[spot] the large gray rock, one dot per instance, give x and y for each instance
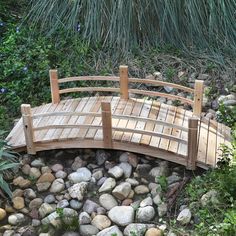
(116, 172)
(81, 175)
(107, 201)
(57, 186)
(127, 169)
(184, 216)
(113, 230)
(88, 230)
(135, 229)
(108, 185)
(78, 190)
(122, 190)
(145, 214)
(122, 215)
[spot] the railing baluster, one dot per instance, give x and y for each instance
(124, 82)
(54, 86)
(107, 124)
(192, 143)
(28, 128)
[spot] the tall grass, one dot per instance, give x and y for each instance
(208, 25)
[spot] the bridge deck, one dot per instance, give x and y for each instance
(133, 129)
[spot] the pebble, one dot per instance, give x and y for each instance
(162, 209)
(76, 205)
(62, 204)
(57, 167)
(81, 175)
(122, 190)
(49, 199)
(61, 174)
(34, 172)
(127, 169)
(45, 209)
(133, 182)
(2, 214)
(18, 203)
(16, 219)
(88, 230)
(141, 189)
(113, 230)
(101, 222)
(57, 186)
(84, 218)
(108, 185)
(146, 202)
(90, 206)
(145, 214)
(97, 175)
(136, 229)
(78, 190)
(37, 163)
(101, 157)
(184, 216)
(46, 177)
(43, 186)
(21, 182)
(153, 232)
(107, 201)
(35, 203)
(116, 172)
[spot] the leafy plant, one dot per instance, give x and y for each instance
(8, 163)
(162, 180)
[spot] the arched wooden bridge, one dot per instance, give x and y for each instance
(120, 122)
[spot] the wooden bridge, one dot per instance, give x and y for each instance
(121, 122)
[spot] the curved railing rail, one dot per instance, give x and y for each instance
(124, 89)
(108, 129)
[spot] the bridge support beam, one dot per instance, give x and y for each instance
(107, 124)
(192, 143)
(28, 128)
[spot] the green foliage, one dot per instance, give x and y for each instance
(162, 180)
(8, 163)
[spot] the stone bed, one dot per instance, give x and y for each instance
(106, 193)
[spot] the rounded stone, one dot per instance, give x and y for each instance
(108, 185)
(18, 203)
(101, 222)
(145, 214)
(81, 175)
(107, 201)
(141, 189)
(29, 193)
(45, 209)
(116, 172)
(88, 230)
(184, 216)
(46, 177)
(61, 174)
(35, 203)
(76, 205)
(84, 218)
(153, 232)
(34, 172)
(57, 186)
(122, 190)
(113, 230)
(2, 214)
(16, 219)
(57, 167)
(49, 199)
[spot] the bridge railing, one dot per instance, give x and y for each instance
(108, 129)
(124, 90)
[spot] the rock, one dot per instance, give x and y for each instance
(61, 174)
(101, 211)
(127, 169)
(43, 186)
(143, 169)
(122, 215)
(2, 214)
(17, 193)
(37, 163)
(78, 190)
(162, 209)
(26, 169)
(230, 102)
(62, 204)
(108, 185)
(124, 157)
(46, 169)
(209, 198)
(111, 231)
(122, 190)
(133, 182)
(57, 186)
(127, 202)
(34, 172)
(97, 175)
(29, 193)
(107, 201)
(49, 199)
(84, 218)
(153, 232)
(45, 209)
(18, 203)
(101, 222)
(90, 206)
(21, 182)
(157, 200)
(78, 163)
(171, 234)
(35, 203)
(101, 157)
(35, 223)
(101, 181)
(16, 219)
(71, 234)
(34, 213)
(133, 160)
(173, 179)
(135, 229)
(81, 175)
(161, 170)
(168, 89)
(141, 189)
(184, 216)
(88, 230)
(76, 205)
(115, 172)
(145, 214)
(146, 202)
(57, 167)
(46, 177)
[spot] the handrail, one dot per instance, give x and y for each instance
(65, 113)
(127, 130)
(158, 94)
(89, 78)
(89, 89)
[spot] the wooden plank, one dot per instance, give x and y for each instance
(90, 78)
(140, 125)
(159, 128)
(164, 143)
(153, 114)
(98, 134)
(89, 89)
(54, 86)
(183, 149)
(106, 124)
(124, 83)
(127, 136)
(179, 119)
(198, 96)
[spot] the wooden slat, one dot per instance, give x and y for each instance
(179, 119)
(145, 140)
(164, 143)
(159, 128)
(90, 89)
(106, 124)
(90, 78)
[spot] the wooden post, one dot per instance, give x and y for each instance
(28, 128)
(124, 82)
(107, 124)
(192, 143)
(54, 86)
(198, 97)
